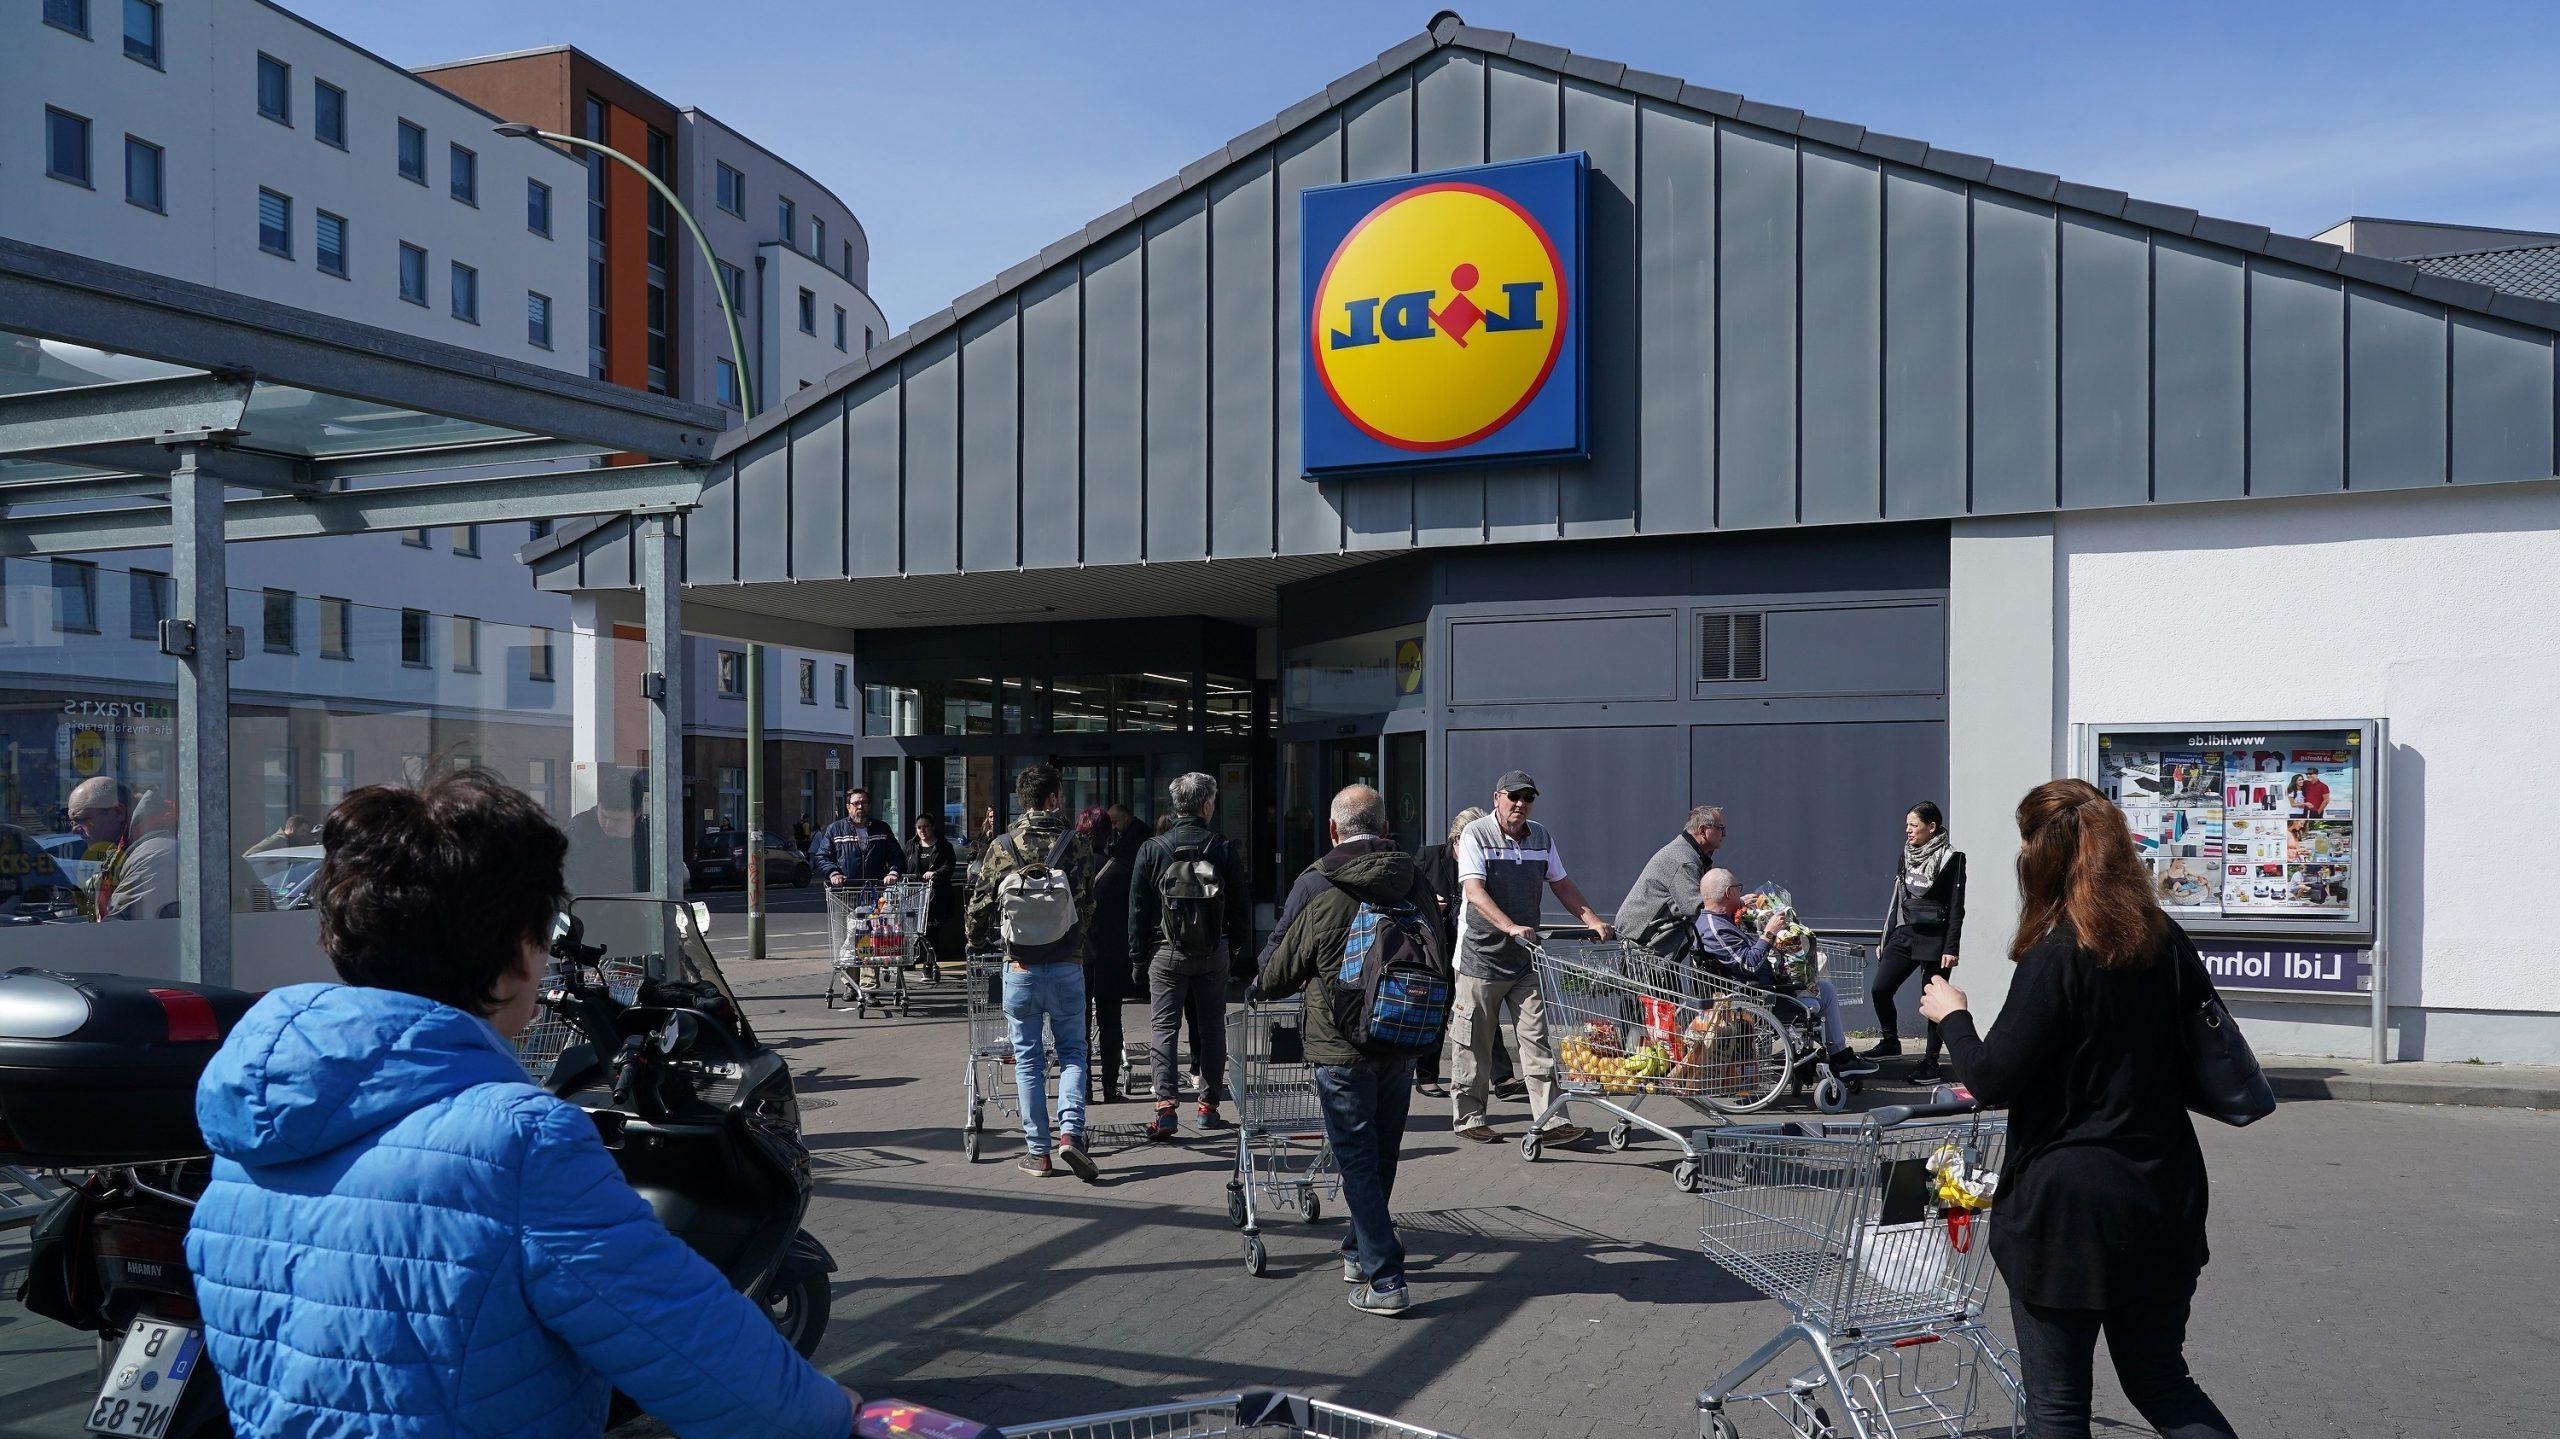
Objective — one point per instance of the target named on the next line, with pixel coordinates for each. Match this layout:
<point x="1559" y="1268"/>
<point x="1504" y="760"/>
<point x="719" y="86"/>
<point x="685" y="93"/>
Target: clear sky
<point x="966" y="134"/>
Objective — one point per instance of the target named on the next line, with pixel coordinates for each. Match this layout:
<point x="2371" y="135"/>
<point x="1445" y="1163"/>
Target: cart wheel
<point x="1719" y="1427"/>
<point x="1689" y="1175"/>
<point x="1310" y="1207"/>
<point x="1235" y="1206"/>
<point x="1255" y="1260"/>
<point x="1621" y="1134"/>
<point x="1531" y="1147"/>
<point x="969" y="1143"/>
<point x="1830" y="1096"/>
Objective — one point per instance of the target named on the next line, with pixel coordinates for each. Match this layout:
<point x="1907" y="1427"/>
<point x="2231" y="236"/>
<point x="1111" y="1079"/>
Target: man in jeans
<point x="1365" y="1099"/>
<point x="1186" y="953"/>
<point x="1506" y="861"/>
<point x="1043" y="985"/>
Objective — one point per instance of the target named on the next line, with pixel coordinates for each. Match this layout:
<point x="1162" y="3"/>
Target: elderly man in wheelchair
<point x="1746" y="958"/>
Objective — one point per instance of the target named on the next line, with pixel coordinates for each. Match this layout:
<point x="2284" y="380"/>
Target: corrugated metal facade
<point x="1792" y="322"/>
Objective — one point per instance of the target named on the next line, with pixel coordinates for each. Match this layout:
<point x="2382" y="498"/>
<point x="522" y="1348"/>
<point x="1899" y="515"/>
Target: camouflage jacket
<point x="1034" y="835"/>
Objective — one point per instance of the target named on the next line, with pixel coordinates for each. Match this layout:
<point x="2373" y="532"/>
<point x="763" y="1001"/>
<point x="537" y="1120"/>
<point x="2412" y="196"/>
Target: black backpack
<point x="1391" y="997"/>
<point x="1193" y="895"/>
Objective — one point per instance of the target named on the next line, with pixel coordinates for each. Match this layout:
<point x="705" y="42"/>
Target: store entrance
<point x="1313" y="771"/>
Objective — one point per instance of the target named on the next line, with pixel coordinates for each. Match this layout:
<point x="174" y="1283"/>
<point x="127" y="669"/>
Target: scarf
<point x="1921" y="862"/>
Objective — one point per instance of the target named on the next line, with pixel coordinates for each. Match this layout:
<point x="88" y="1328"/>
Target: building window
<point x="275" y="223"/>
<point x="413" y="274"/>
<point x="789" y="215"/>
<point x="724" y="382"/>
<point x="866" y="338"/>
<point x="75" y="595"/>
<point x="466" y="539"/>
<point x="276" y="789"/>
<point x="808" y="312"/>
<point x="414" y="638"/>
<point x="818" y="238"/>
<point x="891" y="712"/>
<point x="598" y="332"/>
<point x="839" y="329"/>
<point x="537" y="208"/>
<point x="730" y="191"/>
<point x="537" y="319"/>
<point x="275" y="89"/>
<point x="337" y="629"/>
<point x="142" y="31"/>
<point x="414" y="539"/>
<point x="733" y="796"/>
<point x="538" y="528"/>
<point x="537" y="781"/>
<point x="276" y="618"/>
<point x="841" y="685"/>
<point x="413" y="151"/>
<point x="71" y="15"/>
<point x="66" y="146"/>
<point x="808" y="682"/>
<point x="540" y="657"/>
<point x="466" y="293"/>
<point x="329" y="244"/>
<point x="329" y="114"/>
<point x="147" y="596"/>
<point x="142" y="175"/>
<point x="466" y="645"/>
<point x="733" y="672"/>
<point x="337" y="776"/>
<point x="848" y="259"/>
<point x="462" y="175"/>
<point x="734" y="281"/>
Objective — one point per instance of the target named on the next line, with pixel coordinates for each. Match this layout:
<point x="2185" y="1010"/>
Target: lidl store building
<point x="1499" y="407"/>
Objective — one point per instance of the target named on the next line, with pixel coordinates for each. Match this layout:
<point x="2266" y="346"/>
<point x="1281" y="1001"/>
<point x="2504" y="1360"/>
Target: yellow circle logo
<point x="1439" y="317"/>
<point x="88" y="751"/>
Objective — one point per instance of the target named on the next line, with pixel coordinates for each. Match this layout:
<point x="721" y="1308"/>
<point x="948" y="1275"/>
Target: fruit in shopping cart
<point x="1601" y="1037"/>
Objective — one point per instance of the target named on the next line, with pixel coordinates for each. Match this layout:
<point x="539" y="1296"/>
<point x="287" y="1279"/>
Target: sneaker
<point x="1351" y="1271"/>
<point x="1071" y="1153"/>
<point x="1480" y="1132"/>
<point x="1036" y="1165"/>
<point x="1370" y="1299"/>
<point x="1847" y="1065"/>
<point x="1885" y="1049"/>
<point x="1165" y="1125"/>
<point x="1561" y="1133"/>
<point x="1210" y="1119"/>
<point x="1927" y="1071"/>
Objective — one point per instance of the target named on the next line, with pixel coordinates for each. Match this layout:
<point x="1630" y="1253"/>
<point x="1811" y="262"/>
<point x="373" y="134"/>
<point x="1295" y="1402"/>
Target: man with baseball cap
<point x="1506" y="862"/>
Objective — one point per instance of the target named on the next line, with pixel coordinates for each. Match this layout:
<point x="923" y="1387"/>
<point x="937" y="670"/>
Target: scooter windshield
<point x="654" y="939"/>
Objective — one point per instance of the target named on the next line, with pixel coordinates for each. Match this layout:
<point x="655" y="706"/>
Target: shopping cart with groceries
<point x="875" y="931"/>
<point x="1874" y="1233"/>
<point x="1232" y="1416"/>
<point x="1282" y="1155"/>
<point x="986" y="1074"/>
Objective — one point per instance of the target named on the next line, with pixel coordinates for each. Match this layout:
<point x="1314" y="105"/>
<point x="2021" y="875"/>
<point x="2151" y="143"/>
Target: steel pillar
<point x="200" y="579"/>
<point x="755" y="801"/>
<point x="663" y="685"/>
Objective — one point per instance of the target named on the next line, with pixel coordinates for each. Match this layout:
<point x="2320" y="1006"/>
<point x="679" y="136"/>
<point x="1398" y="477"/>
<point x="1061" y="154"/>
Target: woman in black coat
<point x="1439" y="865"/>
<point x="2099" y="1224"/>
<point x="930" y="856"/>
<point x="1923" y="927"/>
<point x="1107" y="979"/>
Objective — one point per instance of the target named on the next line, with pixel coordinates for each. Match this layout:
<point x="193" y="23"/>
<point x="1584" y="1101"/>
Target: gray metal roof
<point x="2532" y="270"/>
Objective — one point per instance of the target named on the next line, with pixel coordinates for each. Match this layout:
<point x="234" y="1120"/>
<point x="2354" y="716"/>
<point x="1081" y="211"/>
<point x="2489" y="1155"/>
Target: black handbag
<point x="2222" y="1079"/>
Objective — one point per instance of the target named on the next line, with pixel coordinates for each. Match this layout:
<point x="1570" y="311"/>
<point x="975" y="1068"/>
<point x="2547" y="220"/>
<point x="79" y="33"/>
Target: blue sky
<point x="966" y="135"/>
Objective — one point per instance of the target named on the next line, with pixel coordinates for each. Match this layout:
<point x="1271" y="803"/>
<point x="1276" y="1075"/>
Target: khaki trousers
<point x="1475" y="1027"/>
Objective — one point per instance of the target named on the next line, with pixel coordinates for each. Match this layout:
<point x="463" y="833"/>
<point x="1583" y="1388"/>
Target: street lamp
<point x="728" y="311"/>
<point x="517" y="130"/>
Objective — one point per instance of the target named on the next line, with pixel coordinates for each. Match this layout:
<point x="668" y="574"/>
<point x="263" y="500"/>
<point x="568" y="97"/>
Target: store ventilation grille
<point x="1729" y="648"/>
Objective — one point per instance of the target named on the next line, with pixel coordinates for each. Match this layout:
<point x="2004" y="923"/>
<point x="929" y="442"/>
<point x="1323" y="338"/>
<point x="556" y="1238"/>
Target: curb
<point x="2299" y="1085"/>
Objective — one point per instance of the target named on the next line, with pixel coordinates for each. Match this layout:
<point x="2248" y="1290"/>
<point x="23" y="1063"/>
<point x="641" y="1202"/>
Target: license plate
<point x="149" y="1374"/>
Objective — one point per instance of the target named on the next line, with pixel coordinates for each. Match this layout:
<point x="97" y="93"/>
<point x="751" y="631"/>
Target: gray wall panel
<point x="2106" y="362"/>
<point x="2297" y="381"/>
<point x="933" y="456"/>
<point x="1924" y="354"/>
<point x="2395" y="391"/>
<point x="1577" y="657"/>
<point x="1844" y="787"/>
<point x="1377" y="141"/>
<point x="871" y="456"/>
<point x="2501" y="401"/>
<point x="1755" y="329"/>
<point x="990" y="413"/>
<point x="1114" y="401"/>
<point x="1676" y="491"/>
<point x="1178" y="381"/>
<point x="1308" y="522"/>
<point x="818" y="492"/>
<point x="2199" y="393"/>
<point x="1856" y="649"/>
<point x="1599" y="497"/>
<point x="2014" y="265"/>
<point x="1523" y="117"/>
<point x="760" y="539"/>
<point x="1052" y="416"/>
<point x="1840" y="434"/>
<point x="1596" y="779"/>
<point x="1448" y="132"/>
<point x="1240" y="363"/>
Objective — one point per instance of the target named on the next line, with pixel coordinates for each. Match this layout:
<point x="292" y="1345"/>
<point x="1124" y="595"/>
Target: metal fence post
<point x="755" y="801"/>
<point x="661" y="611"/>
<point x="202" y="641"/>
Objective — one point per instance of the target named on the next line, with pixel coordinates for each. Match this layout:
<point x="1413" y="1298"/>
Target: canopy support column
<point x="663" y="685"/>
<point x="201" y="639"/>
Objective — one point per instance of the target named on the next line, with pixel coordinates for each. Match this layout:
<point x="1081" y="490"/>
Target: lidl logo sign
<point x="1444" y="321"/>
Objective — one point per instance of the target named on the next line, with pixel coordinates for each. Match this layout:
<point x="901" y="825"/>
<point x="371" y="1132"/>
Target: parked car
<point x="719" y="857"/>
<point x="72" y="853"/>
<point x="284" y="876"/>
<point x="35" y="882"/>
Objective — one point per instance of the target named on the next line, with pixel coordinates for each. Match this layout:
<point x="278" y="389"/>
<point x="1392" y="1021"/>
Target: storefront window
<point x="889" y="712"/>
<point x="1367" y="674"/>
<point x="1405" y="824"/>
<point x="1080" y="704"/>
<point x="1230" y="706"/>
<point x="1151" y="703"/>
<point x="969" y="707"/>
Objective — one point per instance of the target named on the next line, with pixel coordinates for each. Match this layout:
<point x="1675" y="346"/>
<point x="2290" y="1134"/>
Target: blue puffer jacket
<point x="405" y="1238"/>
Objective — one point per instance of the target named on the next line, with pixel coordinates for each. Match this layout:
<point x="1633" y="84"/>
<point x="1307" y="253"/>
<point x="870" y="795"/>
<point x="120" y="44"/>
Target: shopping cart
<point x="539" y="1047"/>
<point x="1844" y="963"/>
<point x="1282" y="1155"/>
<point x="1628" y="1024"/>
<point x="1875" y="1233"/>
<point x="986" y="1075"/>
<point x="1234" y="1416"/>
<point x="875" y="930"/>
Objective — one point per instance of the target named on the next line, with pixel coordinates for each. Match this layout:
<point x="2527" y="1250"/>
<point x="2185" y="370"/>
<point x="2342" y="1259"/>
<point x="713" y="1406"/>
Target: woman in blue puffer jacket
<point x="403" y="1237"/>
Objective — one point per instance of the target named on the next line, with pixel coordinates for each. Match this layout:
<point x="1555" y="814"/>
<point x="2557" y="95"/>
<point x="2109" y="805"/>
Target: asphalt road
<point x="2378" y="1270"/>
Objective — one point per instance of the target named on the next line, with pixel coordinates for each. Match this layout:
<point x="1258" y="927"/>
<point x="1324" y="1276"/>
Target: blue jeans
<point x="1364" y="1112"/>
<point x="1054" y="993"/>
<point x="1825" y="1000"/>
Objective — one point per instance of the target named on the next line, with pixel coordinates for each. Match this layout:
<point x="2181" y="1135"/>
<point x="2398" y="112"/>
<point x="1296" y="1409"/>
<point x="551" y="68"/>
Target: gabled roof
<point x="2532" y="270"/>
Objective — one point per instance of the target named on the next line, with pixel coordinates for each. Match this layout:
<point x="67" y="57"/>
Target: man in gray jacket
<point x="1663" y="902"/>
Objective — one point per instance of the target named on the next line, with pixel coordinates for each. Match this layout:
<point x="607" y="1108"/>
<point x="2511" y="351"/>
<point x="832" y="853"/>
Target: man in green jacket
<point x="1365" y="1099"/>
<point x="1043" y="990"/>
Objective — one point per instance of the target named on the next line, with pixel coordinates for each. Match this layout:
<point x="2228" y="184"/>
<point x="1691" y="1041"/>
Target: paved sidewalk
<point x="2487" y="1086"/>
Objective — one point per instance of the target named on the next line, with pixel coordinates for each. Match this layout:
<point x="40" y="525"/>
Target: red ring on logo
<point x="1555" y="344"/>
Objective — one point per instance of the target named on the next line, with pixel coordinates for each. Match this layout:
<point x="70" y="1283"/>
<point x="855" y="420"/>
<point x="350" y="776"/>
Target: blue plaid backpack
<point x="1391" y="998"/>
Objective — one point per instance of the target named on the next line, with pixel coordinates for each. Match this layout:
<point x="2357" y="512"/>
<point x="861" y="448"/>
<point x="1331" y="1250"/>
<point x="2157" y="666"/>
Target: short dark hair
<point x="856" y="790"/>
<point x="1036" y="784"/>
<point x="433" y="890"/>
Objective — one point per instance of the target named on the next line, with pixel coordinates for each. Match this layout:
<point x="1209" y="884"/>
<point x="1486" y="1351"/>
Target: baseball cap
<point x="1514" y="781"/>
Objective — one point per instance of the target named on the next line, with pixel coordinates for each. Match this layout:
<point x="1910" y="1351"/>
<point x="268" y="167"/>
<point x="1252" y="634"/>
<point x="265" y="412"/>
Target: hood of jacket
<point x="312" y="1068"/>
<point x="1369" y="867"/>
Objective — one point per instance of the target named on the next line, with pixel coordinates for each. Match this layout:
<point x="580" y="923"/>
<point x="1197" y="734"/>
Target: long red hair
<point x="2077" y="869"/>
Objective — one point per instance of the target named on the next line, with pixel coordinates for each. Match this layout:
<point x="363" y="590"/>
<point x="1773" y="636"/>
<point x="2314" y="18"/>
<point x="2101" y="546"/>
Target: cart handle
<point x="1893" y="1114"/>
